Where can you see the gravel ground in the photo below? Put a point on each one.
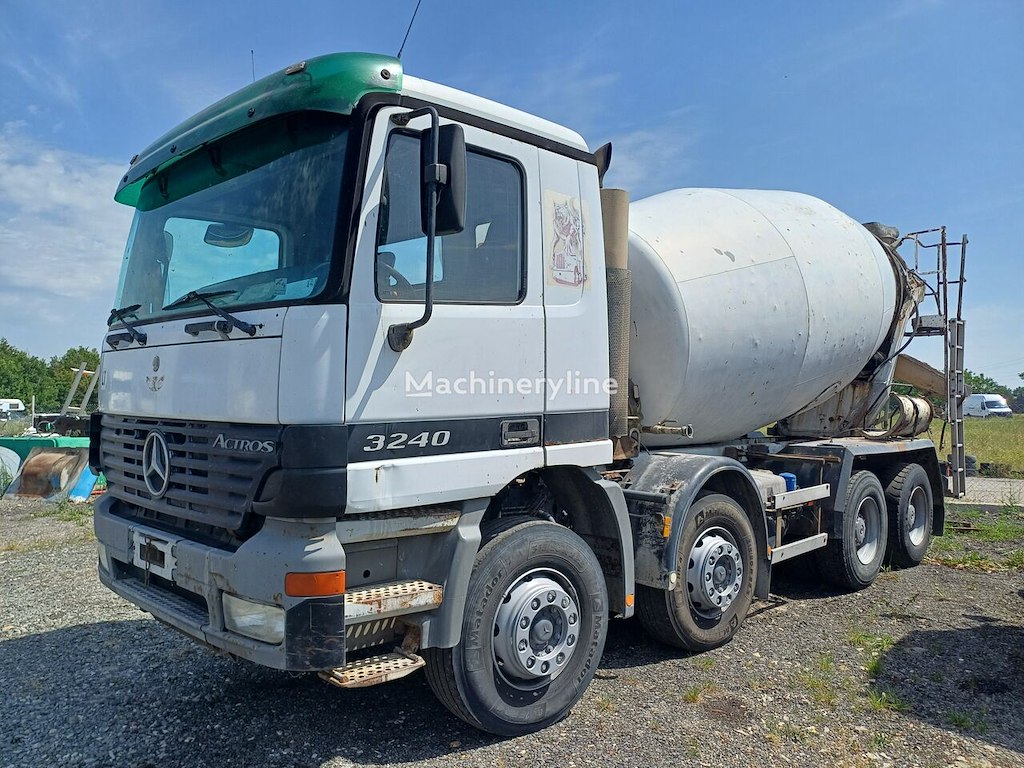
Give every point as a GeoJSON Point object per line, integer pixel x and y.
{"type": "Point", "coordinates": [925, 668]}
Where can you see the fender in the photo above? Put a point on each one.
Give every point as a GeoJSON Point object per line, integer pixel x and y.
{"type": "Point", "coordinates": [666, 485]}
{"type": "Point", "coordinates": [600, 517]}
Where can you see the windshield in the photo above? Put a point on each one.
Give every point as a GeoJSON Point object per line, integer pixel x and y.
{"type": "Point", "coordinates": [250, 219]}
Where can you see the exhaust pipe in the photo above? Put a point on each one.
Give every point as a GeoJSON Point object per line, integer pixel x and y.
{"type": "Point", "coordinates": [615, 220]}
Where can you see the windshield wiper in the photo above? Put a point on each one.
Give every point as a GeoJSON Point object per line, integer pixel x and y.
{"type": "Point", "coordinates": [134, 334]}
{"type": "Point", "coordinates": [233, 322]}
{"type": "Point", "coordinates": [191, 296]}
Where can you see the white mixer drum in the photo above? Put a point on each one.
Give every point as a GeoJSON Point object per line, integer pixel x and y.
{"type": "Point", "coordinates": [749, 306]}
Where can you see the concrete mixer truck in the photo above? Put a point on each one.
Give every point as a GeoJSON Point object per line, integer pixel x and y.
{"type": "Point", "coordinates": [392, 382]}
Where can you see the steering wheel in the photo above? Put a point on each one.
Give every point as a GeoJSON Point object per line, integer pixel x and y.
{"type": "Point", "coordinates": [319, 275]}
{"type": "Point", "coordinates": [401, 285]}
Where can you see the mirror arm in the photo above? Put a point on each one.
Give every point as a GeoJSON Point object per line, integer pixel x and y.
{"type": "Point", "coordinates": [400, 334]}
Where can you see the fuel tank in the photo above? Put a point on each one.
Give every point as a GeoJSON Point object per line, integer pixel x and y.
{"type": "Point", "coordinates": [750, 306]}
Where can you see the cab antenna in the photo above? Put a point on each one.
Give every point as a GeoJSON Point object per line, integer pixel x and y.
{"type": "Point", "coordinates": [409, 29]}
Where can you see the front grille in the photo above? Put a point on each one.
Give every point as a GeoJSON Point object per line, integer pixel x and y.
{"type": "Point", "coordinates": [211, 488]}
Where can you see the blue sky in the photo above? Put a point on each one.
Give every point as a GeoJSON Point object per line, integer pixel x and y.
{"type": "Point", "coordinates": [908, 112]}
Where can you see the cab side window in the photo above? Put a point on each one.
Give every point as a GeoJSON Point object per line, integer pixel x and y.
{"type": "Point", "coordinates": [483, 264]}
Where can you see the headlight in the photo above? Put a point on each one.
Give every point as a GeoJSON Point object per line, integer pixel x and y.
{"type": "Point", "coordinates": [256, 620]}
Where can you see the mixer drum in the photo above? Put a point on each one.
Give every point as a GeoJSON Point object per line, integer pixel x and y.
{"type": "Point", "coordinates": [749, 306]}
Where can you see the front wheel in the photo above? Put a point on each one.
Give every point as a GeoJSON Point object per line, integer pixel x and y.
{"type": "Point", "coordinates": [532, 634]}
{"type": "Point", "coordinates": [717, 559]}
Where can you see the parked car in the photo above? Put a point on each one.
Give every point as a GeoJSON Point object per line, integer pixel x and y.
{"type": "Point", "coordinates": [986, 405]}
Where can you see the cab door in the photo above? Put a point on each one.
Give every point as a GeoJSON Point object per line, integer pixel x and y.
{"type": "Point", "coordinates": [458, 413]}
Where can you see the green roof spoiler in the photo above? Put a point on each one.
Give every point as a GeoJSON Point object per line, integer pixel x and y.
{"type": "Point", "coordinates": [332, 83]}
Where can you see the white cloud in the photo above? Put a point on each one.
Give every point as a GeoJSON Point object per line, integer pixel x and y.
{"type": "Point", "coordinates": [61, 241]}
{"type": "Point", "coordinates": [650, 160]}
{"type": "Point", "coordinates": [46, 79]}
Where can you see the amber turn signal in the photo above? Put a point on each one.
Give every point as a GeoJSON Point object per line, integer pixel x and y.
{"type": "Point", "coordinates": [322, 584]}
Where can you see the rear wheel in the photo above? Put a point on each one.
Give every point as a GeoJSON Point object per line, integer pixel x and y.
{"type": "Point", "coordinates": [717, 559]}
{"type": "Point", "coordinates": [909, 498]}
{"type": "Point", "coordinates": [854, 560]}
{"type": "Point", "coordinates": [532, 635]}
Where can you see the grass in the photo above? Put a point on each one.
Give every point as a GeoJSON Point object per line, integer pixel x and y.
{"type": "Point", "coordinates": [870, 643]}
{"type": "Point", "coordinates": [819, 680]}
{"type": "Point", "coordinates": [605, 704]}
{"type": "Point", "coordinates": [874, 666]}
{"type": "Point", "coordinates": [969, 721]}
{"type": "Point", "coordinates": [819, 687]}
{"type": "Point", "coordinates": [6, 478]}
{"type": "Point", "coordinates": [69, 512]}
{"type": "Point", "coordinates": [884, 701]}
{"type": "Point", "coordinates": [959, 546]}
{"type": "Point", "coordinates": [967, 561]}
{"type": "Point", "coordinates": [874, 646]}
{"type": "Point", "coordinates": [787, 732]}
{"type": "Point", "coordinates": [996, 441]}
{"type": "Point", "coordinates": [695, 693]}
{"type": "Point", "coordinates": [13, 427]}
{"type": "Point", "coordinates": [28, 546]}
{"type": "Point", "coordinates": [1003, 528]}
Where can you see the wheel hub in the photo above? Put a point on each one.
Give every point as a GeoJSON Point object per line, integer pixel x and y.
{"type": "Point", "coordinates": [866, 529]}
{"type": "Point", "coordinates": [536, 628]}
{"type": "Point", "coordinates": [910, 518]}
{"type": "Point", "coordinates": [860, 531]}
{"type": "Point", "coordinates": [715, 574]}
{"type": "Point", "coordinates": [916, 519]}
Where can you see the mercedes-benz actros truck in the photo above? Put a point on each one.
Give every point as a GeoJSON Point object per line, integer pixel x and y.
{"type": "Point", "coordinates": [391, 381]}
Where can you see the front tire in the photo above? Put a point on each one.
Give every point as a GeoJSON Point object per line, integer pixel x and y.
{"type": "Point", "coordinates": [532, 634]}
{"type": "Point", "coordinates": [854, 561]}
{"type": "Point", "coordinates": [717, 569]}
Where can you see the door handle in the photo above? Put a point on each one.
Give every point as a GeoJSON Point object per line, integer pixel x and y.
{"type": "Point", "coordinates": [517, 433]}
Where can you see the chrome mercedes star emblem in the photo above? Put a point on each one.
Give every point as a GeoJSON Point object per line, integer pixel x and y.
{"type": "Point", "coordinates": [156, 464]}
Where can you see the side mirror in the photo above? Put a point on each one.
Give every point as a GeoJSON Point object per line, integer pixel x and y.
{"type": "Point", "coordinates": [227, 235]}
{"type": "Point", "coordinates": [442, 204]}
{"type": "Point", "coordinates": [450, 216]}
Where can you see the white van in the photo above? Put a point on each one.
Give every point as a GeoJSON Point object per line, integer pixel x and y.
{"type": "Point", "coordinates": [986, 405]}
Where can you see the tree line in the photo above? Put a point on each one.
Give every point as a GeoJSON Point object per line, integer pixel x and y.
{"type": "Point", "coordinates": [23, 376]}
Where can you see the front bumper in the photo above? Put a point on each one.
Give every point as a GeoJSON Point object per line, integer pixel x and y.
{"type": "Point", "coordinates": [187, 593]}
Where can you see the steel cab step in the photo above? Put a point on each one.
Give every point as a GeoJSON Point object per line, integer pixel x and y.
{"type": "Point", "coordinates": [392, 599]}
{"type": "Point", "coordinates": [374, 670]}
